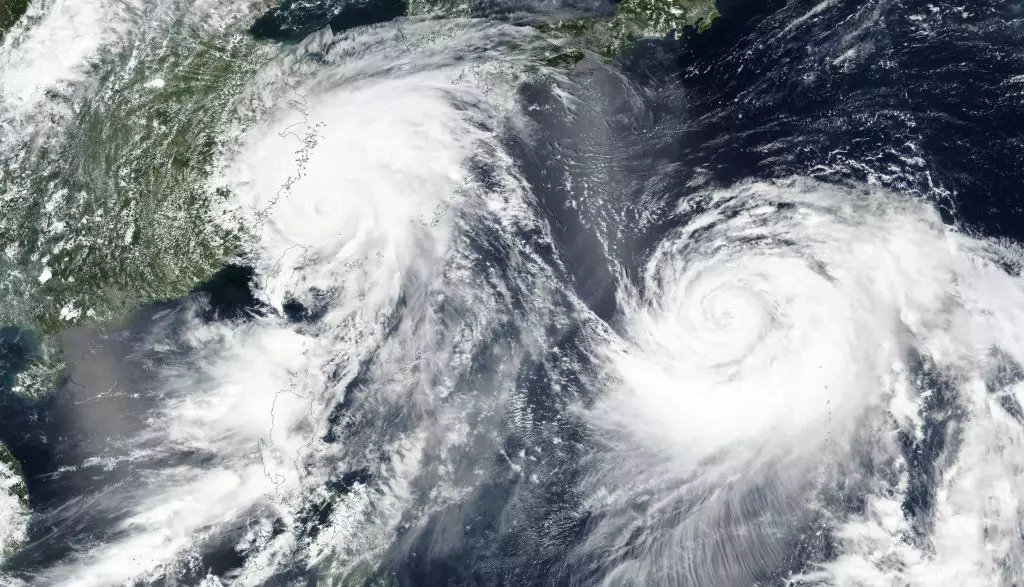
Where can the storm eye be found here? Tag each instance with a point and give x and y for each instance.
(491, 292)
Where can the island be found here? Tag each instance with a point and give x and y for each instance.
(633, 20)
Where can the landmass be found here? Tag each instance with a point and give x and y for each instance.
(10, 12)
(122, 213)
(13, 505)
(633, 20)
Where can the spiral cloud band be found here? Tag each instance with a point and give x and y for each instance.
(492, 320)
(775, 326)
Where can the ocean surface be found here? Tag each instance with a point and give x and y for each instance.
(738, 308)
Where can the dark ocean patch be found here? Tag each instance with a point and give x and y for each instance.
(229, 294)
(541, 161)
(861, 92)
(293, 20)
(931, 454)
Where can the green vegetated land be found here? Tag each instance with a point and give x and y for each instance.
(438, 8)
(633, 20)
(10, 12)
(121, 211)
(7, 460)
(12, 482)
(128, 215)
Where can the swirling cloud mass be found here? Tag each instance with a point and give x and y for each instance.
(788, 341)
(494, 327)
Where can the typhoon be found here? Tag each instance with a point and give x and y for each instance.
(794, 347)
(647, 293)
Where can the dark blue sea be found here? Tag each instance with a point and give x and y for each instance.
(917, 97)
